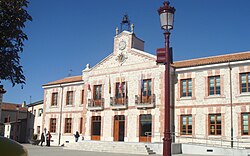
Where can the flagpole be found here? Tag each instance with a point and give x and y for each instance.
(141, 86)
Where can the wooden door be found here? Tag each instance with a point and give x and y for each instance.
(145, 139)
(119, 127)
(96, 128)
(121, 130)
(95, 137)
(116, 130)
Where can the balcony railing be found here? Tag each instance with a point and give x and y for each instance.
(143, 102)
(94, 105)
(119, 103)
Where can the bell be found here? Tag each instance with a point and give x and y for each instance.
(125, 19)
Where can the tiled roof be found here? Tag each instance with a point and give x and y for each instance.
(213, 59)
(12, 106)
(66, 80)
(36, 103)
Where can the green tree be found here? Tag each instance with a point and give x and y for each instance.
(13, 15)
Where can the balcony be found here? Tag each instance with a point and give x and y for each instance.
(144, 102)
(95, 105)
(118, 103)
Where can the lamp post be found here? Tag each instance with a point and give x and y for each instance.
(2, 91)
(16, 133)
(164, 55)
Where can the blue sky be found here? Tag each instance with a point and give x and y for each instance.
(66, 35)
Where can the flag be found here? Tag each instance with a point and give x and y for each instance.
(126, 89)
(89, 88)
(109, 86)
(120, 86)
(142, 86)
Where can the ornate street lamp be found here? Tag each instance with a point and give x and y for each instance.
(2, 91)
(164, 56)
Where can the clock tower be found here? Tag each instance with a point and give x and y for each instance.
(125, 39)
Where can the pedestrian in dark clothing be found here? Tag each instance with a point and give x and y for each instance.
(42, 139)
(48, 137)
(76, 136)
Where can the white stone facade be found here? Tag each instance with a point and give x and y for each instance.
(133, 66)
(34, 122)
(200, 105)
(62, 111)
(130, 64)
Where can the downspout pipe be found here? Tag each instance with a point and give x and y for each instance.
(231, 102)
(60, 116)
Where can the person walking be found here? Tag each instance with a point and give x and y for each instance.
(76, 136)
(42, 139)
(48, 137)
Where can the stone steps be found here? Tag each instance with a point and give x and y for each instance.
(110, 147)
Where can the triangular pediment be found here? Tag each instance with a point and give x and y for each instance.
(134, 57)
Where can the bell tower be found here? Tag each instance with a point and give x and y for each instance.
(125, 38)
(125, 24)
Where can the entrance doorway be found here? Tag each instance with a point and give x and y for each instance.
(119, 127)
(145, 128)
(96, 128)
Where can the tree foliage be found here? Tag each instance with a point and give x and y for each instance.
(13, 15)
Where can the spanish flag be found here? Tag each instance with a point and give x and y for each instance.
(120, 86)
(109, 86)
(89, 88)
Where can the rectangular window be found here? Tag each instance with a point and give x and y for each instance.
(54, 99)
(215, 124)
(146, 87)
(214, 85)
(186, 124)
(52, 126)
(34, 113)
(69, 98)
(97, 92)
(40, 112)
(245, 124)
(82, 100)
(245, 82)
(186, 87)
(120, 90)
(68, 125)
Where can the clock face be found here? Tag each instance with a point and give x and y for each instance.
(122, 45)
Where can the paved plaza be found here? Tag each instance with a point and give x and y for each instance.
(59, 151)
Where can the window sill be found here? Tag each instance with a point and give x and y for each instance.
(69, 105)
(67, 134)
(186, 98)
(214, 136)
(244, 94)
(186, 135)
(244, 137)
(214, 96)
(54, 106)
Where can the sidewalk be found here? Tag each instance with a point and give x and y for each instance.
(59, 151)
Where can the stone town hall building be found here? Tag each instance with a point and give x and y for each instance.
(121, 98)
